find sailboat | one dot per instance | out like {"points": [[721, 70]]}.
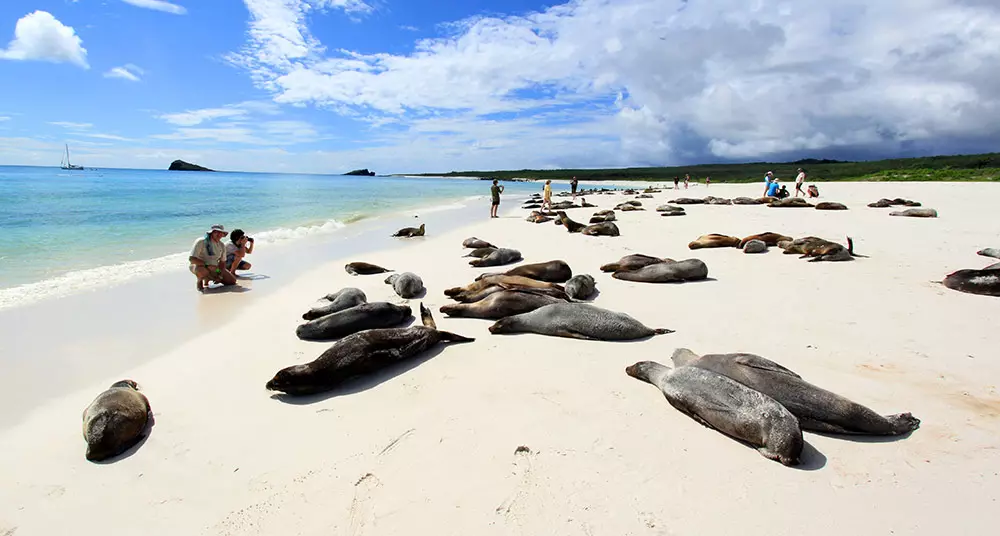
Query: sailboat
{"points": [[65, 162]]}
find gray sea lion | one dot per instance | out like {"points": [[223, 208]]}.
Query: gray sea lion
{"points": [[497, 258], [631, 262], [989, 252], [714, 241], [357, 318], [748, 201], [581, 287], [755, 246], [556, 271], [409, 232], [830, 205], [115, 421], [359, 354], [643, 196], [570, 225], [407, 285], [985, 282], [576, 320], [728, 406], [916, 213], [607, 228], [501, 304], [480, 252], [687, 201], [994, 266], [475, 243], [816, 409], [820, 249], [885, 203], [628, 207], [340, 300], [667, 272], [671, 210], [712, 200], [605, 212], [599, 218], [770, 239], [363, 268], [790, 202]]}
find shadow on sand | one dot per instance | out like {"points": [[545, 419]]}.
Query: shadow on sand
{"points": [[859, 438]]}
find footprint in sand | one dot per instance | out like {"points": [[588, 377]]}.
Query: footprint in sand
{"points": [[363, 507]]}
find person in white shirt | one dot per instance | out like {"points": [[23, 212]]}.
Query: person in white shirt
{"points": [[799, 179], [208, 259]]}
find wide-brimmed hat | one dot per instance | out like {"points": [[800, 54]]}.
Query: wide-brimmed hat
{"points": [[218, 227]]}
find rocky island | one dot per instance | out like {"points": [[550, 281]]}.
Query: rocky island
{"points": [[361, 172], [180, 165]]}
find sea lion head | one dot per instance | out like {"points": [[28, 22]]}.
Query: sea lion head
{"points": [[126, 383], [507, 324], [293, 379], [640, 370]]}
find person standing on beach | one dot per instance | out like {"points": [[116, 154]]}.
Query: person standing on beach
{"points": [[767, 181], [676, 181], [547, 194], [799, 179], [495, 192], [708, 180], [573, 184], [687, 179], [208, 259]]}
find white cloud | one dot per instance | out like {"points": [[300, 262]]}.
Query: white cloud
{"points": [[39, 36], [71, 126], [127, 72], [4, 118], [158, 5], [260, 133], [192, 118]]}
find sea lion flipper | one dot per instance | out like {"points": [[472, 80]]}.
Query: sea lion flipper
{"points": [[757, 362], [565, 332], [426, 317]]}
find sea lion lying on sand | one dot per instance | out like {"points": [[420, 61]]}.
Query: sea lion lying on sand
{"points": [[670, 210], [769, 238], [830, 205], [985, 282], [477, 290], [816, 409], [666, 272], [340, 300], [552, 271], [497, 258], [363, 268], [475, 243], [687, 201], [632, 262], [501, 304], [714, 241], [407, 285], [409, 232], [712, 200], [749, 200], [357, 318], [581, 287], [576, 320], [115, 421], [989, 252], [362, 353], [480, 252], [886, 203], [538, 217], [720, 403], [820, 249], [569, 224], [607, 228], [916, 213], [790, 202], [602, 218]]}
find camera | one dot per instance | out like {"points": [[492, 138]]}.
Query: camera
{"points": [[249, 239]]}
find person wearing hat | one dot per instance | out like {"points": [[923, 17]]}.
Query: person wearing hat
{"points": [[767, 182], [798, 182], [208, 259]]}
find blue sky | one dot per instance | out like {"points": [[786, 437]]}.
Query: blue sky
{"points": [[327, 86]]}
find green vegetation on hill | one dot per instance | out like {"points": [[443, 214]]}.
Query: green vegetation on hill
{"points": [[978, 167]]}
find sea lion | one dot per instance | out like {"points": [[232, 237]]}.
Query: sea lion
{"points": [[670, 210], [770, 239], [407, 285], [749, 201], [714, 241], [687, 201], [723, 404], [628, 208], [605, 212], [755, 246], [581, 287], [363, 268], [502, 280], [361, 353], [631, 262], [538, 217], [830, 205], [994, 266], [569, 224], [552, 271], [607, 228], [475, 243], [409, 232], [599, 218], [497, 258], [899, 201], [532, 205], [820, 249], [576, 320], [357, 318], [712, 200], [643, 196], [816, 409], [985, 282], [666, 272], [989, 252], [790, 202], [480, 252], [115, 421], [340, 300], [501, 304], [916, 213]]}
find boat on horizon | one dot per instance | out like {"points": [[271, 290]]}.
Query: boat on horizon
{"points": [[65, 163]]}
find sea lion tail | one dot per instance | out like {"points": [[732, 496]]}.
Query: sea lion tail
{"points": [[662, 331], [426, 317], [850, 249]]}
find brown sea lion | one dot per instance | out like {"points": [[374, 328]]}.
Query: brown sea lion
{"points": [[885, 203], [830, 205], [476, 243], [556, 271], [409, 232], [501, 304], [686, 201], [632, 262], [666, 272], [480, 252], [985, 282], [497, 258], [714, 241], [569, 224], [768, 238], [670, 210], [363, 268], [607, 228], [749, 201], [500, 280], [712, 200], [820, 249], [538, 217], [790, 202], [115, 421]]}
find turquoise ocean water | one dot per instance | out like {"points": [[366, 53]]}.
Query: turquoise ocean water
{"points": [[63, 230]]}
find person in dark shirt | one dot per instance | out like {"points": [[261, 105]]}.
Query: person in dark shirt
{"points": [[573, 184], [495, 192]]}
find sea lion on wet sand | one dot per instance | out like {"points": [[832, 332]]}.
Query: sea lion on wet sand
{"points": [[501, 304], [632, 262], [497, 258], [357, 318], [816, 409], [340, 300], [667, 272], [607, 228], [830, 205], [790, 202], [820, 249], [363, 268], [581, 287], [723, 404], [480, 252], [576, 320], [475, 243], [407, 285], [556, 271], [569, 224], [115, 421], [359, 354], [985, 282], [714, 241], [771, 239], [916, 213], [409, 232], [755, 246]]}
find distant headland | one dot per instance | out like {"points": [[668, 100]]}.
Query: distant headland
{"points": [[180, 165], [361, 172]]}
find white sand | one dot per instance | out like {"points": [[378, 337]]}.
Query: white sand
{"points": [[431, 450]]}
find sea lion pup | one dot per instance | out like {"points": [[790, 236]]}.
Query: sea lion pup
{"points": [[361, 353], [670, 210], [363, 268], [820, 249], [714, 241], [576, 320], [501, 280], [755, 246], [790, 202], [581, 287], [340, 300], [985, 282], [666, 272], [409, 232], [407, 285], [552, 271], [725, 405], [569, 224], [632, 262], [115, 421], [916, 213], [538, 217], [357, 318], [830, 205], [475, 243], [497, 258], [816, 409], [607, 228], [989, 252], [769, 238], [501, 304], [480, 252]]}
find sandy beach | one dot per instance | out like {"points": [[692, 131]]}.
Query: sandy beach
{"points": [[430, 446]]}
